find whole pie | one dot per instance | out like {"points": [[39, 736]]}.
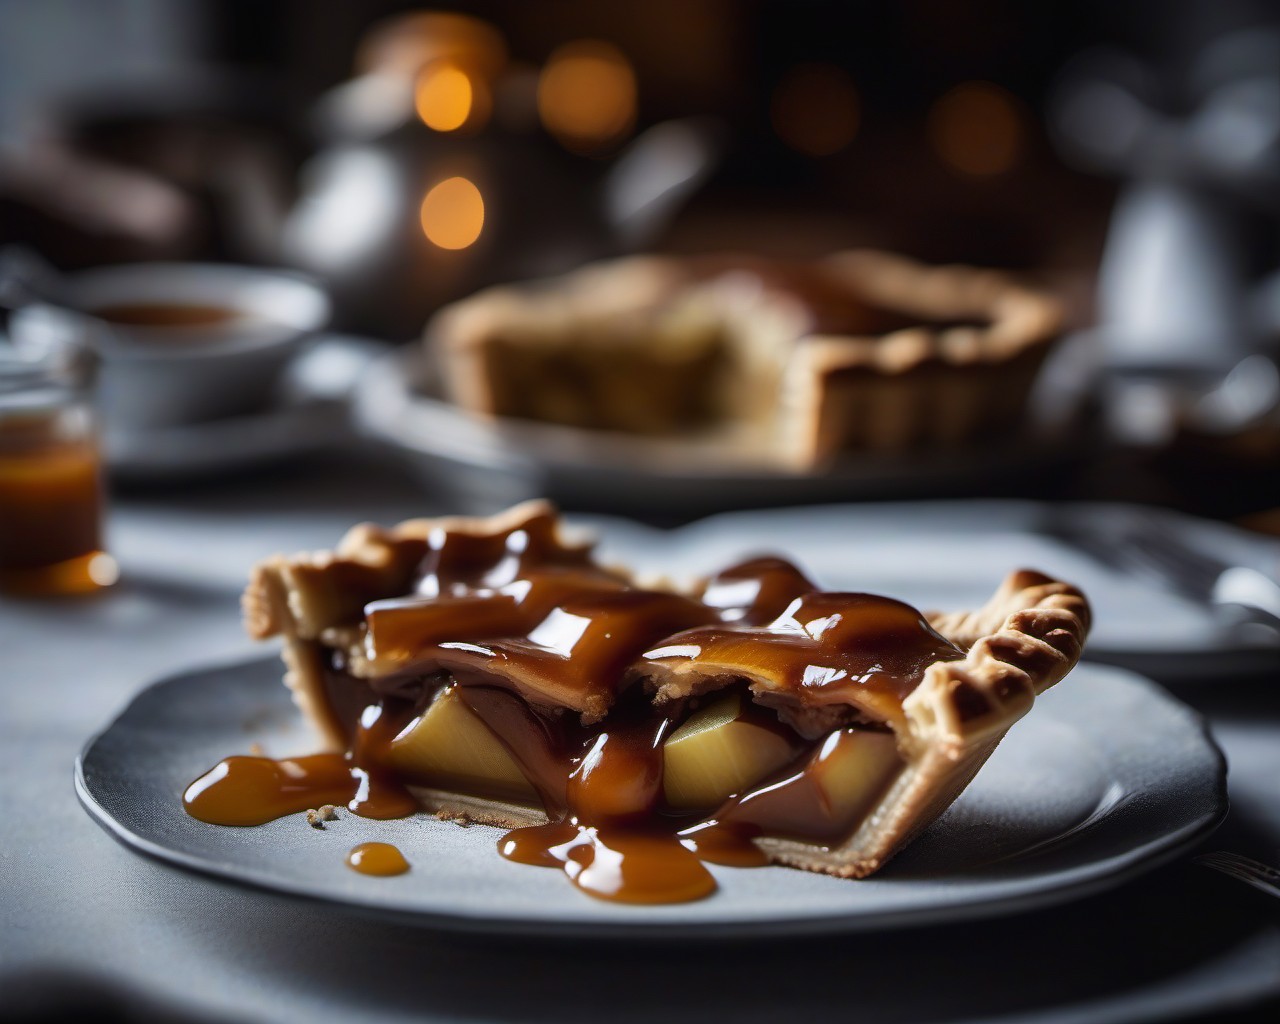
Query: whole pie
{"points": [[627, 731], [861, 351]]}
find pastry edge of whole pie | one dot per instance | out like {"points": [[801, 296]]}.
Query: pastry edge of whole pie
{"points": [[813, 403], [1022, 641]]}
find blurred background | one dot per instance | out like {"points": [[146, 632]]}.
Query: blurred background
{"points": [[1124, 155], [234, 128]]}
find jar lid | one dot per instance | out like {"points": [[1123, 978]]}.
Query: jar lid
{"points": [[23, 367]]}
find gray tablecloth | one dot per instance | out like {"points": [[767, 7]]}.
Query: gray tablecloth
{"points": [[86, 924]]}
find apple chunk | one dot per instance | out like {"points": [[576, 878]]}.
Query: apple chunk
{"points": [[718, 752], [829, 795], [851, 769], [448, 747]]}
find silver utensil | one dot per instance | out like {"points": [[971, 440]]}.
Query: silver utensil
{"points": [[25, 277], [1252, 872], [1148, 545]]}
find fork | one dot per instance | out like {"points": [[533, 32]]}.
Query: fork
{"points": [[1245, 869], [1149, 545], [1158, 540]]}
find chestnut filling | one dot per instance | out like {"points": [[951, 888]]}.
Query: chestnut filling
{"points": [[653, 731]]}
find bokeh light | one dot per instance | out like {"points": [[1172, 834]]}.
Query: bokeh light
{"points": [[103, 569], [815, 109], [403, 44], [587, 95], [453, 213], [977, 129], [448, 97]]}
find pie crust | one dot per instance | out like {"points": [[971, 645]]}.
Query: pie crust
{"points": [[1027, 637], [862, 351]]}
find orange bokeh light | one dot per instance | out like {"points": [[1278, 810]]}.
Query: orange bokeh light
{"points": [[452, 213], [978, 129], [403, 44], [587, 94], [448, 98], [815, 109]]}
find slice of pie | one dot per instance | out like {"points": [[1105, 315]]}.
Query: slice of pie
{"points": [[493, 670], [861, 351]]}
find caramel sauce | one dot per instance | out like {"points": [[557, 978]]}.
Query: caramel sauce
{"points": [[794, 806], [715, 843], [755, 592], [552, 653], [243, 790], [51, 509], [381, 859], [547, 621], [248, 790], [610, 841], [461, 563], [624, 865], [543, 746], [578, 655], [824, 649]]}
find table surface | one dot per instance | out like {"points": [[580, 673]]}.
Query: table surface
{"points": [[90, 925]]}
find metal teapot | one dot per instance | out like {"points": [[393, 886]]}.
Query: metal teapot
{"points": [[398, 217]]}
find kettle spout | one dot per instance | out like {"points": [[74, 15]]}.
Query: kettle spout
{"points": [[656, 175]]}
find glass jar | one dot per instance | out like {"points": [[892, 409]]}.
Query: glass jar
{"points": [[51, 488]]}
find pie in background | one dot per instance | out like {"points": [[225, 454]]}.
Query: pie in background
{"points": [[861, 351]]}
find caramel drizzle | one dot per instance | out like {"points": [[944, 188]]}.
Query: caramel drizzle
{"points": [[856, 651], [252, 790], [378, 859], [527, 627]]}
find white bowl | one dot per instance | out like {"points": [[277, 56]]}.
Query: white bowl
{"points": [[158, 376]]}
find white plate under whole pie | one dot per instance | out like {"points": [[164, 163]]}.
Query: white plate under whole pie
{"points": [[1106, 777], [399, 402]]}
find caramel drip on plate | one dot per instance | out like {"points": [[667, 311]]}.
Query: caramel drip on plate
{"points": [[251, 790], [254, 790], [610, 841], [557, 658], [381, 859], [610, 831]]}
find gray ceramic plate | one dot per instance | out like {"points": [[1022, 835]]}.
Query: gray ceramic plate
{"points": [[309, 415], [398, 401], [1107, 776]]}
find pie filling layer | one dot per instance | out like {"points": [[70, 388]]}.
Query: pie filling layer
{"points": [[628, 734]]}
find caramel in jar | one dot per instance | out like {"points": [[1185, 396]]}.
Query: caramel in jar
{"points": [[51, 503]]}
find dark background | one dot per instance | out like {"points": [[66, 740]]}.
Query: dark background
{"points": [[110, 83]]}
